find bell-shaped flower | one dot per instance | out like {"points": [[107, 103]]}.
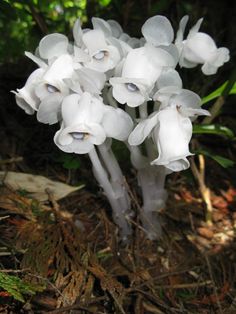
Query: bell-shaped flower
{"points": [[157, 30], [26, 97], [87, 122], [172, 137], [170, 127], [140, 71], [171, 133], [103, 56], [52, 89], [199, 48]]}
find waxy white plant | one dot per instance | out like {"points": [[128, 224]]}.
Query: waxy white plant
{"points": [[93, 87]]}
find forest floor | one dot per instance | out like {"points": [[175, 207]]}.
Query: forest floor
{"points": [[62, 255]]}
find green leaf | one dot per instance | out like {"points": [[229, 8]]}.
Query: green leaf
{"points": [[218, 92], [213, 129], [224, 162], [17, 287], [69, 161]]}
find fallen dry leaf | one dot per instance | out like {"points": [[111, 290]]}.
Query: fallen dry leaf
{"points": [[36, 185]]}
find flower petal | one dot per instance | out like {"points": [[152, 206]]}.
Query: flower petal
{"points": [[95, 41], [61, 68], [123, 95], [49, 111], [115, 28], [53, 45], [142, 130], [91, 81], [180, 33], [117, 123], [25, 96], [78, 33], [102, 25], [36, 60], [170, 77], [157, 31]]}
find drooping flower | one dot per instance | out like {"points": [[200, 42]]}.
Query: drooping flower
{"points": [[170, 127], [140, 71], [199, 48], [26, 97], [87, 122]]}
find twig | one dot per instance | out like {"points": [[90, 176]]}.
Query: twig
{"points": [[13, 270], [214, 286], [199, 175], [185, 285], [77, 306], [38, 19], [214, 111], [11, 160]]}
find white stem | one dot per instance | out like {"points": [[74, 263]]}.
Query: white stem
{"points": [[151, 179], [102, 178], [131, 111], [143, 112], [116, 175]]}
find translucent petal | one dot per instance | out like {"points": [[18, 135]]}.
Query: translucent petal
{"points": [[123, 95], [23, 104], [157, 31], [53, 45], [95, 41], [195, 28], [26, 97], [80, 55], [170, 77], [180, 33], [186, 98], [91, 81], [117, 123], [36, 60], [102, 25], [146, 69], [199, 48], [142, 130], [115, 28], [77, 33], [49, 111], [61, 68]]}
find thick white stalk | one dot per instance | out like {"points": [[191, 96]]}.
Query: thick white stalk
{"points": [[116, 175], [119, 215], [151, 179], [143, 113]]}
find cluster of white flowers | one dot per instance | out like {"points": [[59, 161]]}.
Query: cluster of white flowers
{"points": [[83, 85]]}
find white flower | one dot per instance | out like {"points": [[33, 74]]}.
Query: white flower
{"points": [[199, 48], [103, 56], [171, 132], [25, 96], [141, 69], [87, 122], [171, 127], [52, 89]]}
